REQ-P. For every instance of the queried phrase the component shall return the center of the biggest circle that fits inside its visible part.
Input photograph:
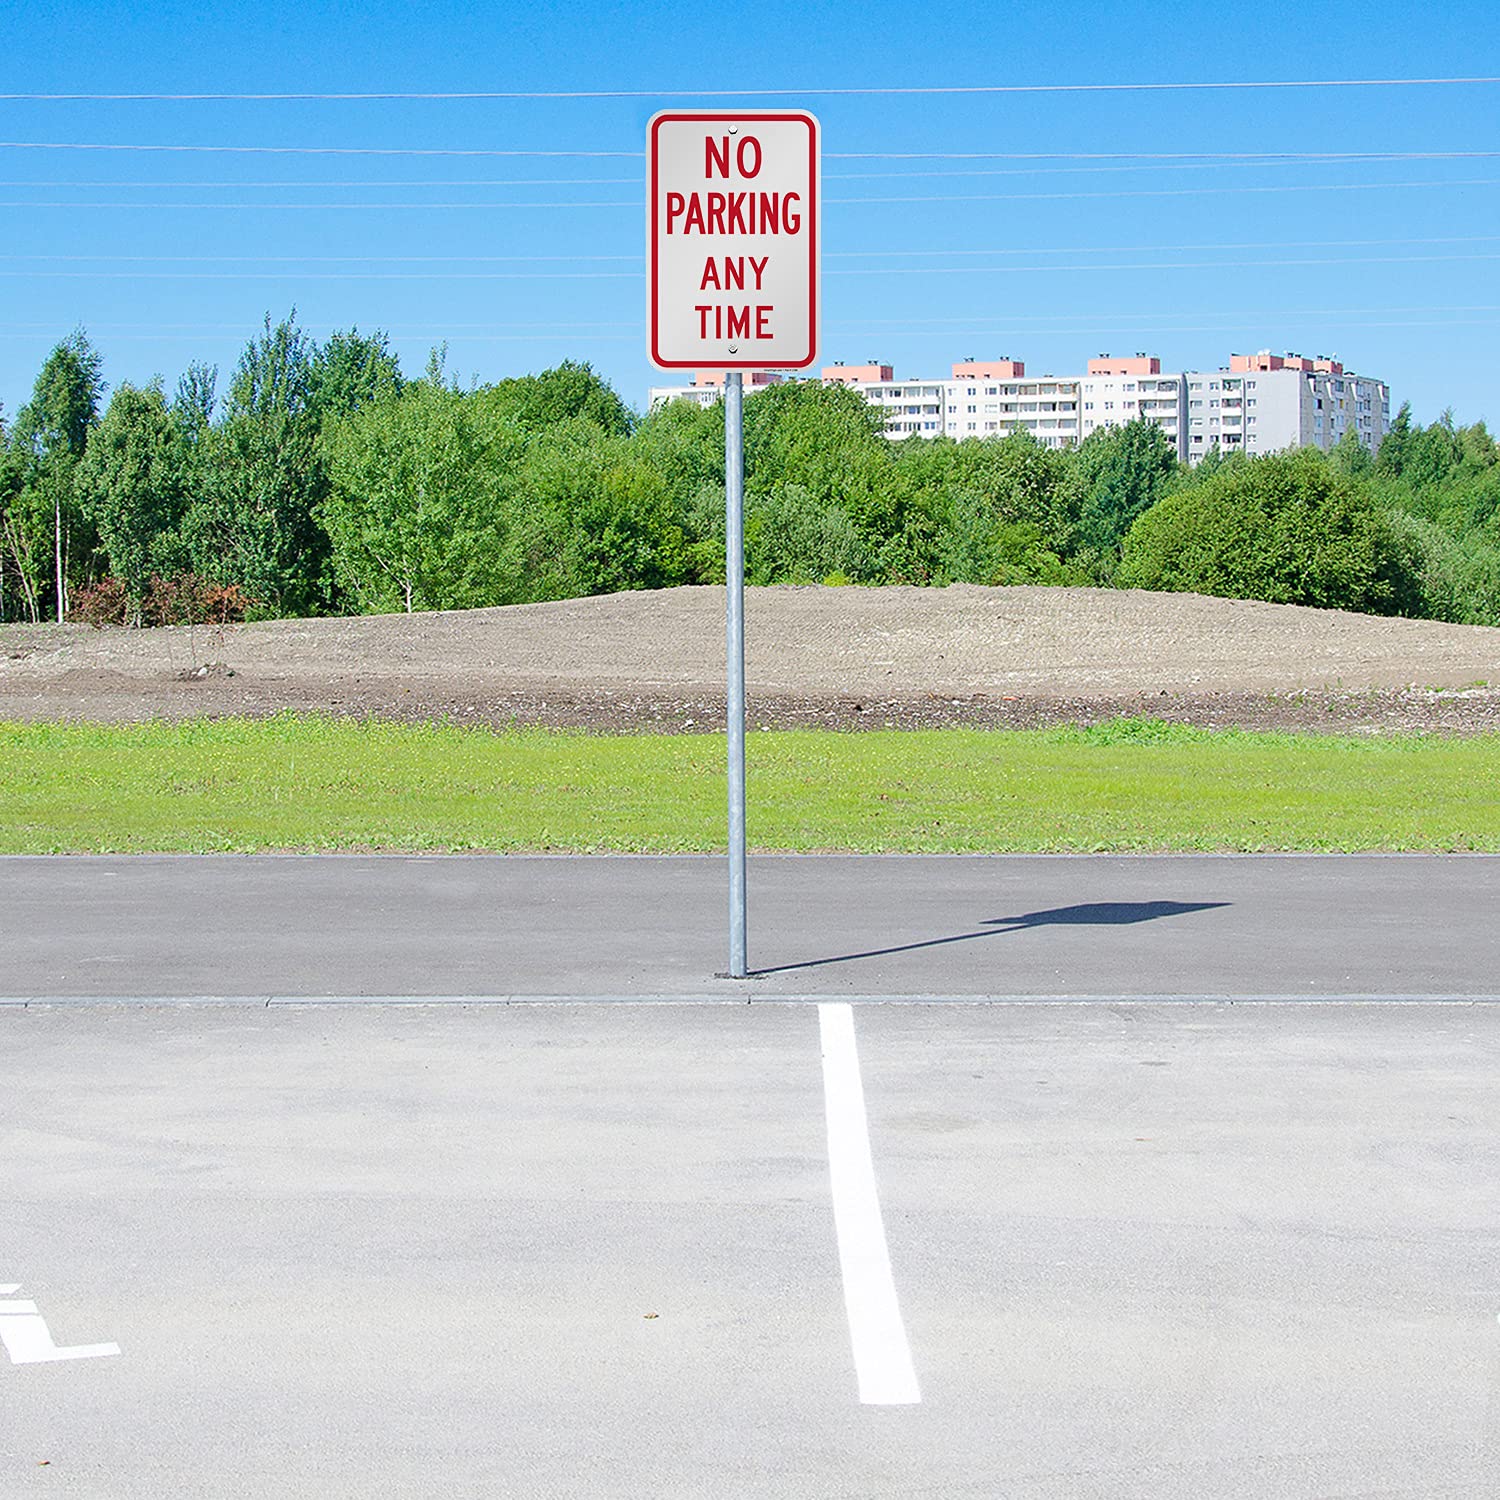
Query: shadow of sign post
(1085, 914)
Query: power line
(1247, 163)
(1253, 314)
(1266, 157)
(1445, 239)
(635, 204)
(1164, 265)
(1094, 330)
(862, 91)
(371, 259)
(344, 182)
(304, 150)
(1237, 164)
(970, 270)
(1320, 187)
(385, 275)
(407, 330)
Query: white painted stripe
(882, 1357)
(28, 1341)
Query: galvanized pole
(734, 577)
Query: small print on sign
(732, 240)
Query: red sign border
(814, 219)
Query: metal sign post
(733, 202)
(734, 629)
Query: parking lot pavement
(837, 926)
(1140, 1250)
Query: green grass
(310, 783)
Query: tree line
(324, 481)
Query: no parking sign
(732, 240)
(732, 246)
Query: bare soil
(842, 658)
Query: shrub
(1285, 528)
(100, 604)
(188, 599)
(790, 537)
(1454, 577)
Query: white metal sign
(733, 202)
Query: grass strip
(299, 782)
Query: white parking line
(882, 1356)
(27, 1339)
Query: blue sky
(164, 256)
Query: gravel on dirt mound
(836, 657)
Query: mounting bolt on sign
(732, 284)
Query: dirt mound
(845, 656)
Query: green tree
(1001, 506)
(350, 370)
(1350, 456)
(587, 516)
(10, 490)
(1118, 473)
(1286, 528)
(132, 481)
(51, 433)
(570, 391)
(196, 400)
(829, 443)
(259, 480)
(411, 511)
(1396, 444)
(791, 538)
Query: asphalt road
(1151, 1251)
(1154, 1245)
(819, 925)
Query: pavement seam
(373, 1001)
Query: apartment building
(1261, 403)
(1258, 403)
(707, 388)
(985, 397)
(1116, 391)
(912, 408)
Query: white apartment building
(1265, 402)
(986, 397)
(1259, 403)
(1116, 391)
(707, 388)
(912, 408)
